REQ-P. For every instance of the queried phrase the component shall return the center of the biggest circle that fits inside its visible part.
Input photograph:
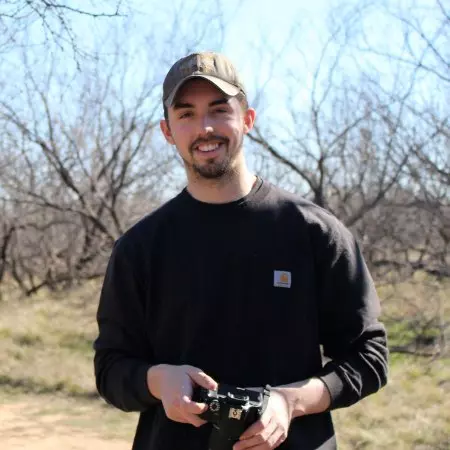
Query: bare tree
(29, 22)
(343, 151)
(85, 155)
(423, 58)
(81, 165)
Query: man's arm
(305, 397)
(123, 354)
(353, 339)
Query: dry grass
(416, 312)
(411, 412)
(46, 369)
(46, 345)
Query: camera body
(231, 410)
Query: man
(234, 281)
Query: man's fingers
(279, 440)
(175, 415)
(193, 419)
(265, 435)
(190, 407)
(256, 428)
(182, 417)
(202, 379)
(185, 411)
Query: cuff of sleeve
(334, 384)
(142, 390)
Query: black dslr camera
(231, 410)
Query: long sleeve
(351, 335)
(122, 350)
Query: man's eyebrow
(179, 105)
(221, 101)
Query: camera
(231, 410)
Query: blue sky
(257, 33)
(276, 46)
(251, 24)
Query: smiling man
(234, 281)
(207, 129)
(206, 118)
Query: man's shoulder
(146, 228)
(312, 215)
(307, 208)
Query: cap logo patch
(206, 64)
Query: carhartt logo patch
(281, 278)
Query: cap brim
(224, 86)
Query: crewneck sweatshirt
(249, 291)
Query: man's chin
(211, 173)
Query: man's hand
(173, 385)
(286, 402)
(272, 429)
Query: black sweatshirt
(247, 291)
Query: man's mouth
(208, 147)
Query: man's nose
(206, 126)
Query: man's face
(208, 129)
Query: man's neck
(224, 190)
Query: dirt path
(22, 427)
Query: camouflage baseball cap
(210, 66)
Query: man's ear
(249, 120)
(165, 128)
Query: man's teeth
(208, 148)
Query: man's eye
(186, 114)
(221, 110)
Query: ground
(48, 398)
(40, 423)
(47, 434)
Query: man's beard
(214, 168)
